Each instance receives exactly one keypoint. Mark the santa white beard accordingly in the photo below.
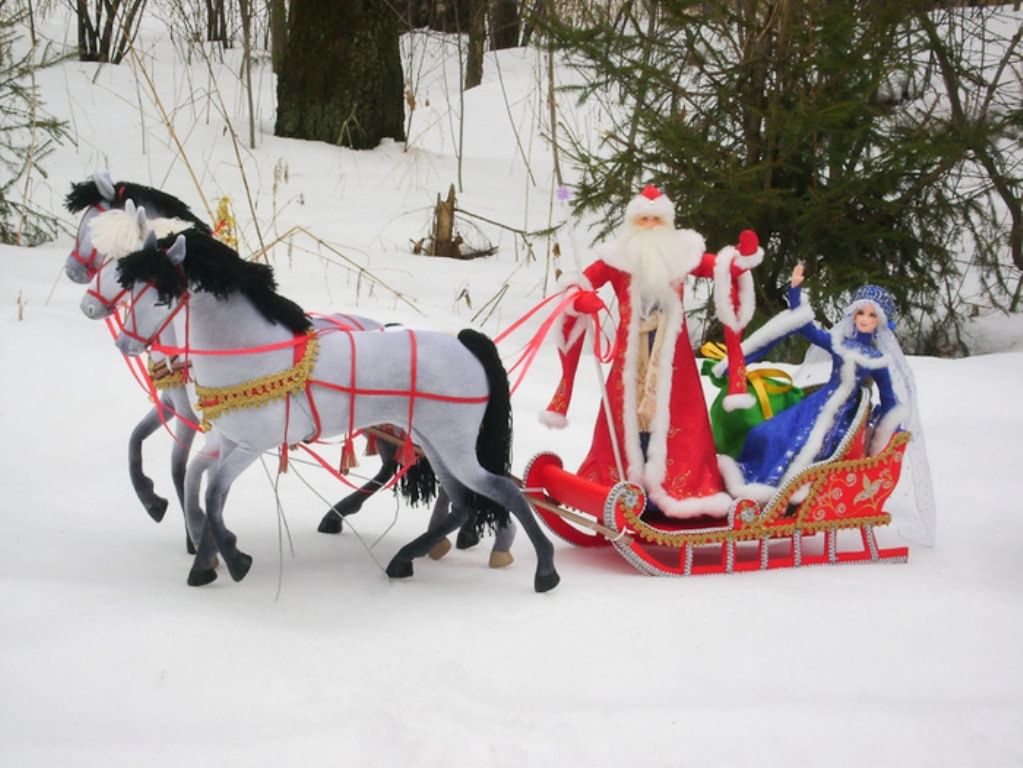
(655, 260)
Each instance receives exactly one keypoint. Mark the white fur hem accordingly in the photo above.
(553, 419)
(715, 505)
(886, 428)
(736, 483)
(738, 402)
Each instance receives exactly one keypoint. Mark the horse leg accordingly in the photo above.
(502, 490)
(155, 505)
(441, 508)
(195, 518)
(500, 555)
(204, 567)
(441, 524)
(352, 503)
(467, 535)
(184, 435)
(400, 566)
(219, 481)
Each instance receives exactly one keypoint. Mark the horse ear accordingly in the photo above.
(129, 207)
(140, 218)
(176, 253)
(150, 240)
(104, 183)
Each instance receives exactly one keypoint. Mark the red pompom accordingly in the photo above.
(588, 302)
(650, 192)
(748, 242)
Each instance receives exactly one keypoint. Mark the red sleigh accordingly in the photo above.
(810, 520)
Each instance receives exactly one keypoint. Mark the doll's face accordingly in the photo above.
(866, 319)
(648, 221)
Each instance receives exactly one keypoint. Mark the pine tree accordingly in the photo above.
(824, 126)
(26, 137)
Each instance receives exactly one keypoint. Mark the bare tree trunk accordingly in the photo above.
(477, 35)
(504, 24)
(341, 79)
(245, 8)
(278, 33)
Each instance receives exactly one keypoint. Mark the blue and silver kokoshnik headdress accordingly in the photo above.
(880, 297)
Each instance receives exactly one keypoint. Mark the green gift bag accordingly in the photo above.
(772, 388)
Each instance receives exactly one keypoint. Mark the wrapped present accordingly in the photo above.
(772, 388)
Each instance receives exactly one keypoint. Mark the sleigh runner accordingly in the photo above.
(799, 526)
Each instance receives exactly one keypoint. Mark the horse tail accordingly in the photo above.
(418, 485)
(493, 444)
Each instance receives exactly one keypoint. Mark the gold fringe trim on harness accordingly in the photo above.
(168, 375)
(216, 401)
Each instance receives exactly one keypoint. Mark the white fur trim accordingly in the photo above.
(735, 318)
(634, 468)
(715, 505)
(778, 326)
(738, 402)
(736, 483)
(752, 260)
(643, 206)
(825, 420)
(886, 427)
(553, 419)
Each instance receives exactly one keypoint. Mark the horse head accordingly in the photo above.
(113, 235)
(100, 194)
(154, 286)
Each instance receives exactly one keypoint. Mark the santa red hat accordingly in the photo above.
(651, 202)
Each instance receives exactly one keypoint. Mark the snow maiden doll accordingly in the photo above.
(862, 348)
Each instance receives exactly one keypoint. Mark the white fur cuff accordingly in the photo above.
(739, 402)
(553, 419)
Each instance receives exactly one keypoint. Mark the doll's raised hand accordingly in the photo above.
(797, 275)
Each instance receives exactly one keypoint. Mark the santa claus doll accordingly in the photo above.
(659, 435)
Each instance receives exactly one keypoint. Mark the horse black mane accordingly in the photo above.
(216, 268)
(157, 203)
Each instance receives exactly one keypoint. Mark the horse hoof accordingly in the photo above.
(331, 523)
(500, 559)
(399, 569)
(197, 578)
(546, 583)
(441, 548)
(157, 508)
(467, 538)
(239, 566)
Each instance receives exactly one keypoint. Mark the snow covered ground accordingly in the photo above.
(107, 658)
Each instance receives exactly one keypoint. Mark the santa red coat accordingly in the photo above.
(680, 473)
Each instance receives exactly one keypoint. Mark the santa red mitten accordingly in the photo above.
(587, 303)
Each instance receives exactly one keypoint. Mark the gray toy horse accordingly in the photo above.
(115, 238)
(452, 394)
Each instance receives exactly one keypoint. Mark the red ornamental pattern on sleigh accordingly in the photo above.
(846, 493)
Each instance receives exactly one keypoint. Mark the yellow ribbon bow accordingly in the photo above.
(762, 380)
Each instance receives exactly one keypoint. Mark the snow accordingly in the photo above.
(317, 658)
